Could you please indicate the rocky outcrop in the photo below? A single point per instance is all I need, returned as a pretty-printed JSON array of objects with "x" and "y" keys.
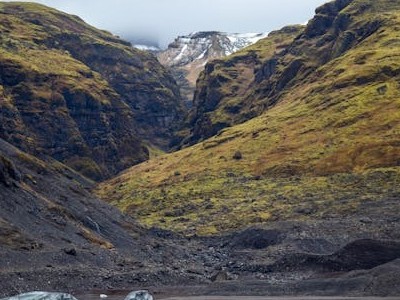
[
  {"x": 79, "y": 94},
  {"x": 327, "y": 36},
  {"x": 42, "y": 296},
  {"x": 150, "y": 91},
  {"x": 8, "y": 172}
]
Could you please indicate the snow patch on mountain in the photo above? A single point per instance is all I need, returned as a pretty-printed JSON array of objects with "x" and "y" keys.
[
  {"x": 182, "y": 53},
  {"x": 187, "y": 55},
  {"x": 206, "y": 45},
  {"x": 241, "y": 40}
]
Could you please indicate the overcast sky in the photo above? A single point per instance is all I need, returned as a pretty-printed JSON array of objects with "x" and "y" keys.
[{"x": 165, "y": 19}]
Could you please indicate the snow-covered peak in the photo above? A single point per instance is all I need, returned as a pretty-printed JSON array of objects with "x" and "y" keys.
[
  {"x": 187, "y": 55},
  {"x": 205, "y": 46},
  {"x": 242, "y": 40}
]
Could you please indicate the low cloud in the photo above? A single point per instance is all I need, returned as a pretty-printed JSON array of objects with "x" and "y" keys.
[{"x": 163, "y": 20}]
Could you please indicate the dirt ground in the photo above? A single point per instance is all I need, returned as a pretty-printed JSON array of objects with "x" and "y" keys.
[
  {"x": 121, "y": 297},
  {"x": 273, "y": 298}
]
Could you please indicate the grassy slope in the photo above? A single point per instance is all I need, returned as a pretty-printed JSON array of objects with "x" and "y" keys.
[
  {"x": 329, "y": 147},
  {"x": 19, "y": 47}
]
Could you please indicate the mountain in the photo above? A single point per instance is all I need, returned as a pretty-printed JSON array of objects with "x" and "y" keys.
[
  {"x": 79, "y": 94},
  {"x": 225, "y": 84},
  {"x": 187, "y": 55},
  {"x": 297, "y": 195},
  {"x": 326, "y": 145}
]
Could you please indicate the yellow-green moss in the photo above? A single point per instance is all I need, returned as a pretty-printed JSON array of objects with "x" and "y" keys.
[{"x": 330, "y": 144}]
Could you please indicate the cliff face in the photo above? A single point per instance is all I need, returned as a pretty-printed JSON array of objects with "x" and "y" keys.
[
  {"x": 80, "y": 94},
  {"x": 139, "y": 79},
  {"x": 336, "y": 28}
]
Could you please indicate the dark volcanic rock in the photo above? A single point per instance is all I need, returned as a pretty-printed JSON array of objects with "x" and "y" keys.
[
  {"x": 36, "y": 207},
  {"x": 54, "y": 235},
  {"x": 70, "y": 251},
  {"x": 362, "y": 254},
  {"x": 256, "y": 238}
]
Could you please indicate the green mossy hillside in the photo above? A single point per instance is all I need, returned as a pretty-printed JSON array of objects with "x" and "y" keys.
[
  {"x": 327, "y": 145},
  {"x": 80, "y": 94}
]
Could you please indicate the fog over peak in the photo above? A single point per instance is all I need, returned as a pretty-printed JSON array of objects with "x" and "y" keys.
[{"x": 161, "y": 21}]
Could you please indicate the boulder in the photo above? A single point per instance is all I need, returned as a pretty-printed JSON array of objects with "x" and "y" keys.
[
  {"x": 8, "y": 172},
  {"x": 139, "y": 295},
  {"x": 42, "y": 296}
]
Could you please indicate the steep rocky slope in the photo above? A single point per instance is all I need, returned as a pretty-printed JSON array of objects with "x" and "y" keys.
[
  {"x": 55, "y": 235},
  {"x": 225, "y": 84},
  {"x": 79, "y": 94},
  {"x": 187, "y": 55},
  {"x": 327, "y": 145},
  {"x": 47, "y": 205}
]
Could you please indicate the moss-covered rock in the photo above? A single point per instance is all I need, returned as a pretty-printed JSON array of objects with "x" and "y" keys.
[
  {"x": 257, "y": 80},
  {"x": 79, "y": 94}
]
